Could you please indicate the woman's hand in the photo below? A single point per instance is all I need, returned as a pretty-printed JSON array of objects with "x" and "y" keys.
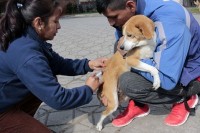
[
  {"x": 93, "y": 82},
  {"x": 97, "y": 64}
]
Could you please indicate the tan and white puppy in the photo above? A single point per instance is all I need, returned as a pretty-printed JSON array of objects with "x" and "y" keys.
[{"x": 139, "y": 43}]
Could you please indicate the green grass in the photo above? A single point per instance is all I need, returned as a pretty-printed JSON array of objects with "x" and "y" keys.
[{"x": 193, "y": 9}]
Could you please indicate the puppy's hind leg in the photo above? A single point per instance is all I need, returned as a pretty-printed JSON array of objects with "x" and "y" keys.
[
  {"x": 100, "y": 123},
  {"x": 111, "y": 107}
]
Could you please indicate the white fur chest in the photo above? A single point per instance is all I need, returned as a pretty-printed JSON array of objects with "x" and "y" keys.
[{"x": 146, "y": 51}]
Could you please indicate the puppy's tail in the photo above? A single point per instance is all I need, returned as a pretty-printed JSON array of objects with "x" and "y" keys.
[
  {"x": 99, "y": 92},
  {"x": 102, "y": 98}
]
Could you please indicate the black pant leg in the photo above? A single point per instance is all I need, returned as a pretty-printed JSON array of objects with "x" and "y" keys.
[{"x": 139, "y": 89}]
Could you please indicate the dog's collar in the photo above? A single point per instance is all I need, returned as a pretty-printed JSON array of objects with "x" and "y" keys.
[
  {"x": 124, "y": 56},
  {"x": 122, "y": 52}
]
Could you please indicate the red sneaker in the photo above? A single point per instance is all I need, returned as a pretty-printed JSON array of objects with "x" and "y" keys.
[
  {"x": 179, "y": 113},
  {"x": 130, "y": 113},
  {"x": 198, "y": 79}
]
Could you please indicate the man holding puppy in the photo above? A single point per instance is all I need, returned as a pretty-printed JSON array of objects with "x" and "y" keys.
[{"x": 176, "y": 56}]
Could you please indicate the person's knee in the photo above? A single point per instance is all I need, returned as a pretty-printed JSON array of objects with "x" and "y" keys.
[
  {"x": 124, "y": 82},
  {"x": 133, "y": 84}
]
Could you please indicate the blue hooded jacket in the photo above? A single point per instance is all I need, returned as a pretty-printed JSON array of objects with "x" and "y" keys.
[
  {"x": 30, "y": 65},
  {"x": 177, "y": 54}
]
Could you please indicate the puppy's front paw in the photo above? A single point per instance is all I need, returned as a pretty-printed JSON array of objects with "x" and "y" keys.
[{"x": 156, "y": 83}]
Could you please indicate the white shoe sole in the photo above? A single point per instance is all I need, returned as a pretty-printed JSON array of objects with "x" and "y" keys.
[{"x": 141, "y": 115}]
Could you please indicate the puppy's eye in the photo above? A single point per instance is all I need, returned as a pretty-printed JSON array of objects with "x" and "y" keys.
[{"x": 129, "y": 35}]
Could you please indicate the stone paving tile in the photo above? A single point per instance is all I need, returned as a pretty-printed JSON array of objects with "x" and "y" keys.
[{"x": 91, "y": 37}]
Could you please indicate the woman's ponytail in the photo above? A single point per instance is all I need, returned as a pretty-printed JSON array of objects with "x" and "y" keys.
[
  {"x": 12, "y": 23},
  {"x": 20, "y": 14}
]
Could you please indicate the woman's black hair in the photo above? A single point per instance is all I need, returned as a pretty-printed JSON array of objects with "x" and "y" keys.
[{"x": 19, "y": 14}]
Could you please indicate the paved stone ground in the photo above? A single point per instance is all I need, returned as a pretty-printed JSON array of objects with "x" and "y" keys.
[{"x": 91, "y": 37}]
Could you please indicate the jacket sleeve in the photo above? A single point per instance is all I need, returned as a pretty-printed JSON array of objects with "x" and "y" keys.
[
  {"x": 37, "y": 76},
  {"x": 118, "y": 34},
  {"x": 69, "y": 67},
  {"x": 171, "y": 51}
]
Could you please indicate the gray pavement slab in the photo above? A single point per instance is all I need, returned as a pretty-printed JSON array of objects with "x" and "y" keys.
[{"x": 90, "y": 36}]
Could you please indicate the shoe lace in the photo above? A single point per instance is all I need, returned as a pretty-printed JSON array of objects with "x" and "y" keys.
[
  {"x": 176, "y": 109},
  {"x": 124, "y": 112}
]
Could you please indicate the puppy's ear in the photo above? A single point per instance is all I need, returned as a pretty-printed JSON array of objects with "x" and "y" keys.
[{"x": 145, "y": 25}]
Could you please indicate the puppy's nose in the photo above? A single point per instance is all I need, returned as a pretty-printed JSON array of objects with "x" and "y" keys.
[{"x": 122, "y": 47}]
